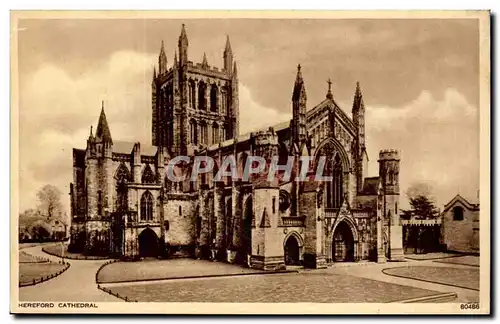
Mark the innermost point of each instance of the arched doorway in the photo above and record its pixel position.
(292, 251)
(343, 243)
(148, 243)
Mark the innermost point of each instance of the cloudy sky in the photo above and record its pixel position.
(420, 82)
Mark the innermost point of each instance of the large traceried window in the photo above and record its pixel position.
(147, 206)
(335, 189)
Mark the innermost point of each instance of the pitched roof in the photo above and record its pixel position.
(461, 200)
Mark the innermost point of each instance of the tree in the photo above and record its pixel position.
(421, 202)
(50, 201)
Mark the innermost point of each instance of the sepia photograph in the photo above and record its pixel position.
(250, 162)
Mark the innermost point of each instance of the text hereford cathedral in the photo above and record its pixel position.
(123, 204)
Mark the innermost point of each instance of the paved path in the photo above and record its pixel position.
(75, 284)
(374, 271)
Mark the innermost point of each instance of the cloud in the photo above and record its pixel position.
(438, 140)
(57, 109)
(254, 116)
(437, 137)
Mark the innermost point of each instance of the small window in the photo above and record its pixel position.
(180, 211)
(458, 213)
(99, 202)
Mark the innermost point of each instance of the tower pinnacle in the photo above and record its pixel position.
(228, 45)
(162, 59)
(183, 46)
(299, 88)
(204, 63)
(235, 70)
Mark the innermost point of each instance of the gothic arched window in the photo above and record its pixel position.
(202, 88)
(213, 98)
(148, 176)
(222, 133)
(122, 197)
(192, 94)
(215, 133)
(147, 206)
(224, 101)
(458, 213)
(203, 133)
(334, 189)
(193, 132)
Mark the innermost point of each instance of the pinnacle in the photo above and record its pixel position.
(235, 70)
(183, 35)
(228, 44)
(299, 86)
(358, 90)
(103, 132)
(204, 62)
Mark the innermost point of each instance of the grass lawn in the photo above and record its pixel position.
(460, 277)
(27, 258)
(470, 260)
(430, 256)
(283, 288)
(36, 271)
(163, 269)
(56, 250)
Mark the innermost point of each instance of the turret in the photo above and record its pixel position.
(299, 100)
(204, 62)
(162, 60)
(389, 177)
(183, 47)
(389, 171)
(228, 57)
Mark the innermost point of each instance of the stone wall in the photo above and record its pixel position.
(180, 212)
(461, 236)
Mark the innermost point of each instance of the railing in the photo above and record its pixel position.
(360, 214)
(424, 222)
(289, 221)
(331, 212)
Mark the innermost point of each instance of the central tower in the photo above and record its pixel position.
(194, 105)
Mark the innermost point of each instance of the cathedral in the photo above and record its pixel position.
(123, 204)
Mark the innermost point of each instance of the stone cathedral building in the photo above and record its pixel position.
(123, 204)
